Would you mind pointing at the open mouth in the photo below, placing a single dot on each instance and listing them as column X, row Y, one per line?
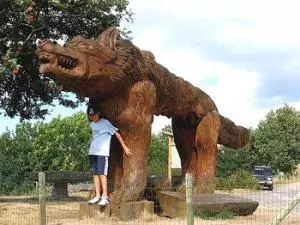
column 64, row 62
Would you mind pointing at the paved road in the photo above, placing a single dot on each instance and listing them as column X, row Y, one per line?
column 278, row 198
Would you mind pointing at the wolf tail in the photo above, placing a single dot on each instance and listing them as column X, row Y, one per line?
column 231, row 135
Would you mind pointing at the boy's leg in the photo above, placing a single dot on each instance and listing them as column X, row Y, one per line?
column 97, row 197
column 95, row 171
column 103, row 179
column 97, row 185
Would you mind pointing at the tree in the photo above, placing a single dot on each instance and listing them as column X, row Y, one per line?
column 62, row 144
column 158, row 154
column 276, row 140
column 24, row 91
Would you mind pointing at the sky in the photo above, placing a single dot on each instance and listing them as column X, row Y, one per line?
column 244, row 54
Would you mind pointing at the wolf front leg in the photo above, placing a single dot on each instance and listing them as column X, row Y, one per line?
column 135, row 167
column 136, row 122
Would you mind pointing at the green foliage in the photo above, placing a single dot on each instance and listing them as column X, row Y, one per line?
column 217, row 216
column 62, row 144
column 158, row 155
column 238, row 179
column 14, row 161
column 23, row 90
column 276, row 140
column 230, row 160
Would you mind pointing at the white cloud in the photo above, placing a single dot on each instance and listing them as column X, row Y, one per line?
column 151, row 38
column 263, row 35
column 271, row 22
column 159, row 123
column 242, row 25
column 234, row 95
column 255, row 10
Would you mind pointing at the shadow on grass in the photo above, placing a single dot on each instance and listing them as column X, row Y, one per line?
column 217, row 216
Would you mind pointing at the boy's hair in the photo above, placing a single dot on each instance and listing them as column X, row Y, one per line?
column 92, row 109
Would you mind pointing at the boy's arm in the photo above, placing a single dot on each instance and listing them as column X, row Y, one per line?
column 124, row 146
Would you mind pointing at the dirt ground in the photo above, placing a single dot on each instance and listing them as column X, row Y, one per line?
column 66, row 213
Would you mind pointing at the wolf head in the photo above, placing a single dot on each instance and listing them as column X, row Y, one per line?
column 91, row 67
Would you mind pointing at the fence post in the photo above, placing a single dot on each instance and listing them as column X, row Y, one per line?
column 284, row 212
column 42, row 198
column 189, row 199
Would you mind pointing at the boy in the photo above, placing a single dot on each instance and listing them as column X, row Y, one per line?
column 99, row 152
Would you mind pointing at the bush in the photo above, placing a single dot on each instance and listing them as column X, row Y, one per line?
column 230, row 161
column 239, row 179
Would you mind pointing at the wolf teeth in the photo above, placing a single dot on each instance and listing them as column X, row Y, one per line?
column 67, row 62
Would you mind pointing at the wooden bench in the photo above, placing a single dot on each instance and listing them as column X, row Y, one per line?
column 61, row 179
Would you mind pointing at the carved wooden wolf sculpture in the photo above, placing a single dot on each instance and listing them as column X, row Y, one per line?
column 130, row 87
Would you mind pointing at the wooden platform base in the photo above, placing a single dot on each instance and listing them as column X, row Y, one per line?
column 91, row 211
column 173, row 204
column 128, row 210
column 134, row 210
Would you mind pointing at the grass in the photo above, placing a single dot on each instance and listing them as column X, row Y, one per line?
column 217, row 216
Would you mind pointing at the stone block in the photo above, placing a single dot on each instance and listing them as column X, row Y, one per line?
column 140, row 209
column 93, row 211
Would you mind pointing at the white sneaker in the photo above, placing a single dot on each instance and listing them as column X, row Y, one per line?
column 104, row 201
column 94, row 200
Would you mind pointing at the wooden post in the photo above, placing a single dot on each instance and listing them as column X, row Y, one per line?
column 42, row 198
column 170, row 159
column 189, row 199
column 284, row 212
column 170, row 144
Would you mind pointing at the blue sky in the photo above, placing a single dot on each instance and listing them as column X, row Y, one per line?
column 8, row 123
column 244, row 54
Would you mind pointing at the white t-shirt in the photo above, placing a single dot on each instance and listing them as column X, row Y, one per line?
column 102, row 132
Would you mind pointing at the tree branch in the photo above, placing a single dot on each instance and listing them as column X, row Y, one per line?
column 32, row 32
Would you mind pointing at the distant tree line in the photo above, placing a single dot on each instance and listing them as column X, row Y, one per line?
column 62, row 144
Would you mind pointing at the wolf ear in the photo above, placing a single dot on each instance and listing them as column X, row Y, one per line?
column 108, row 38
column 107, row 41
